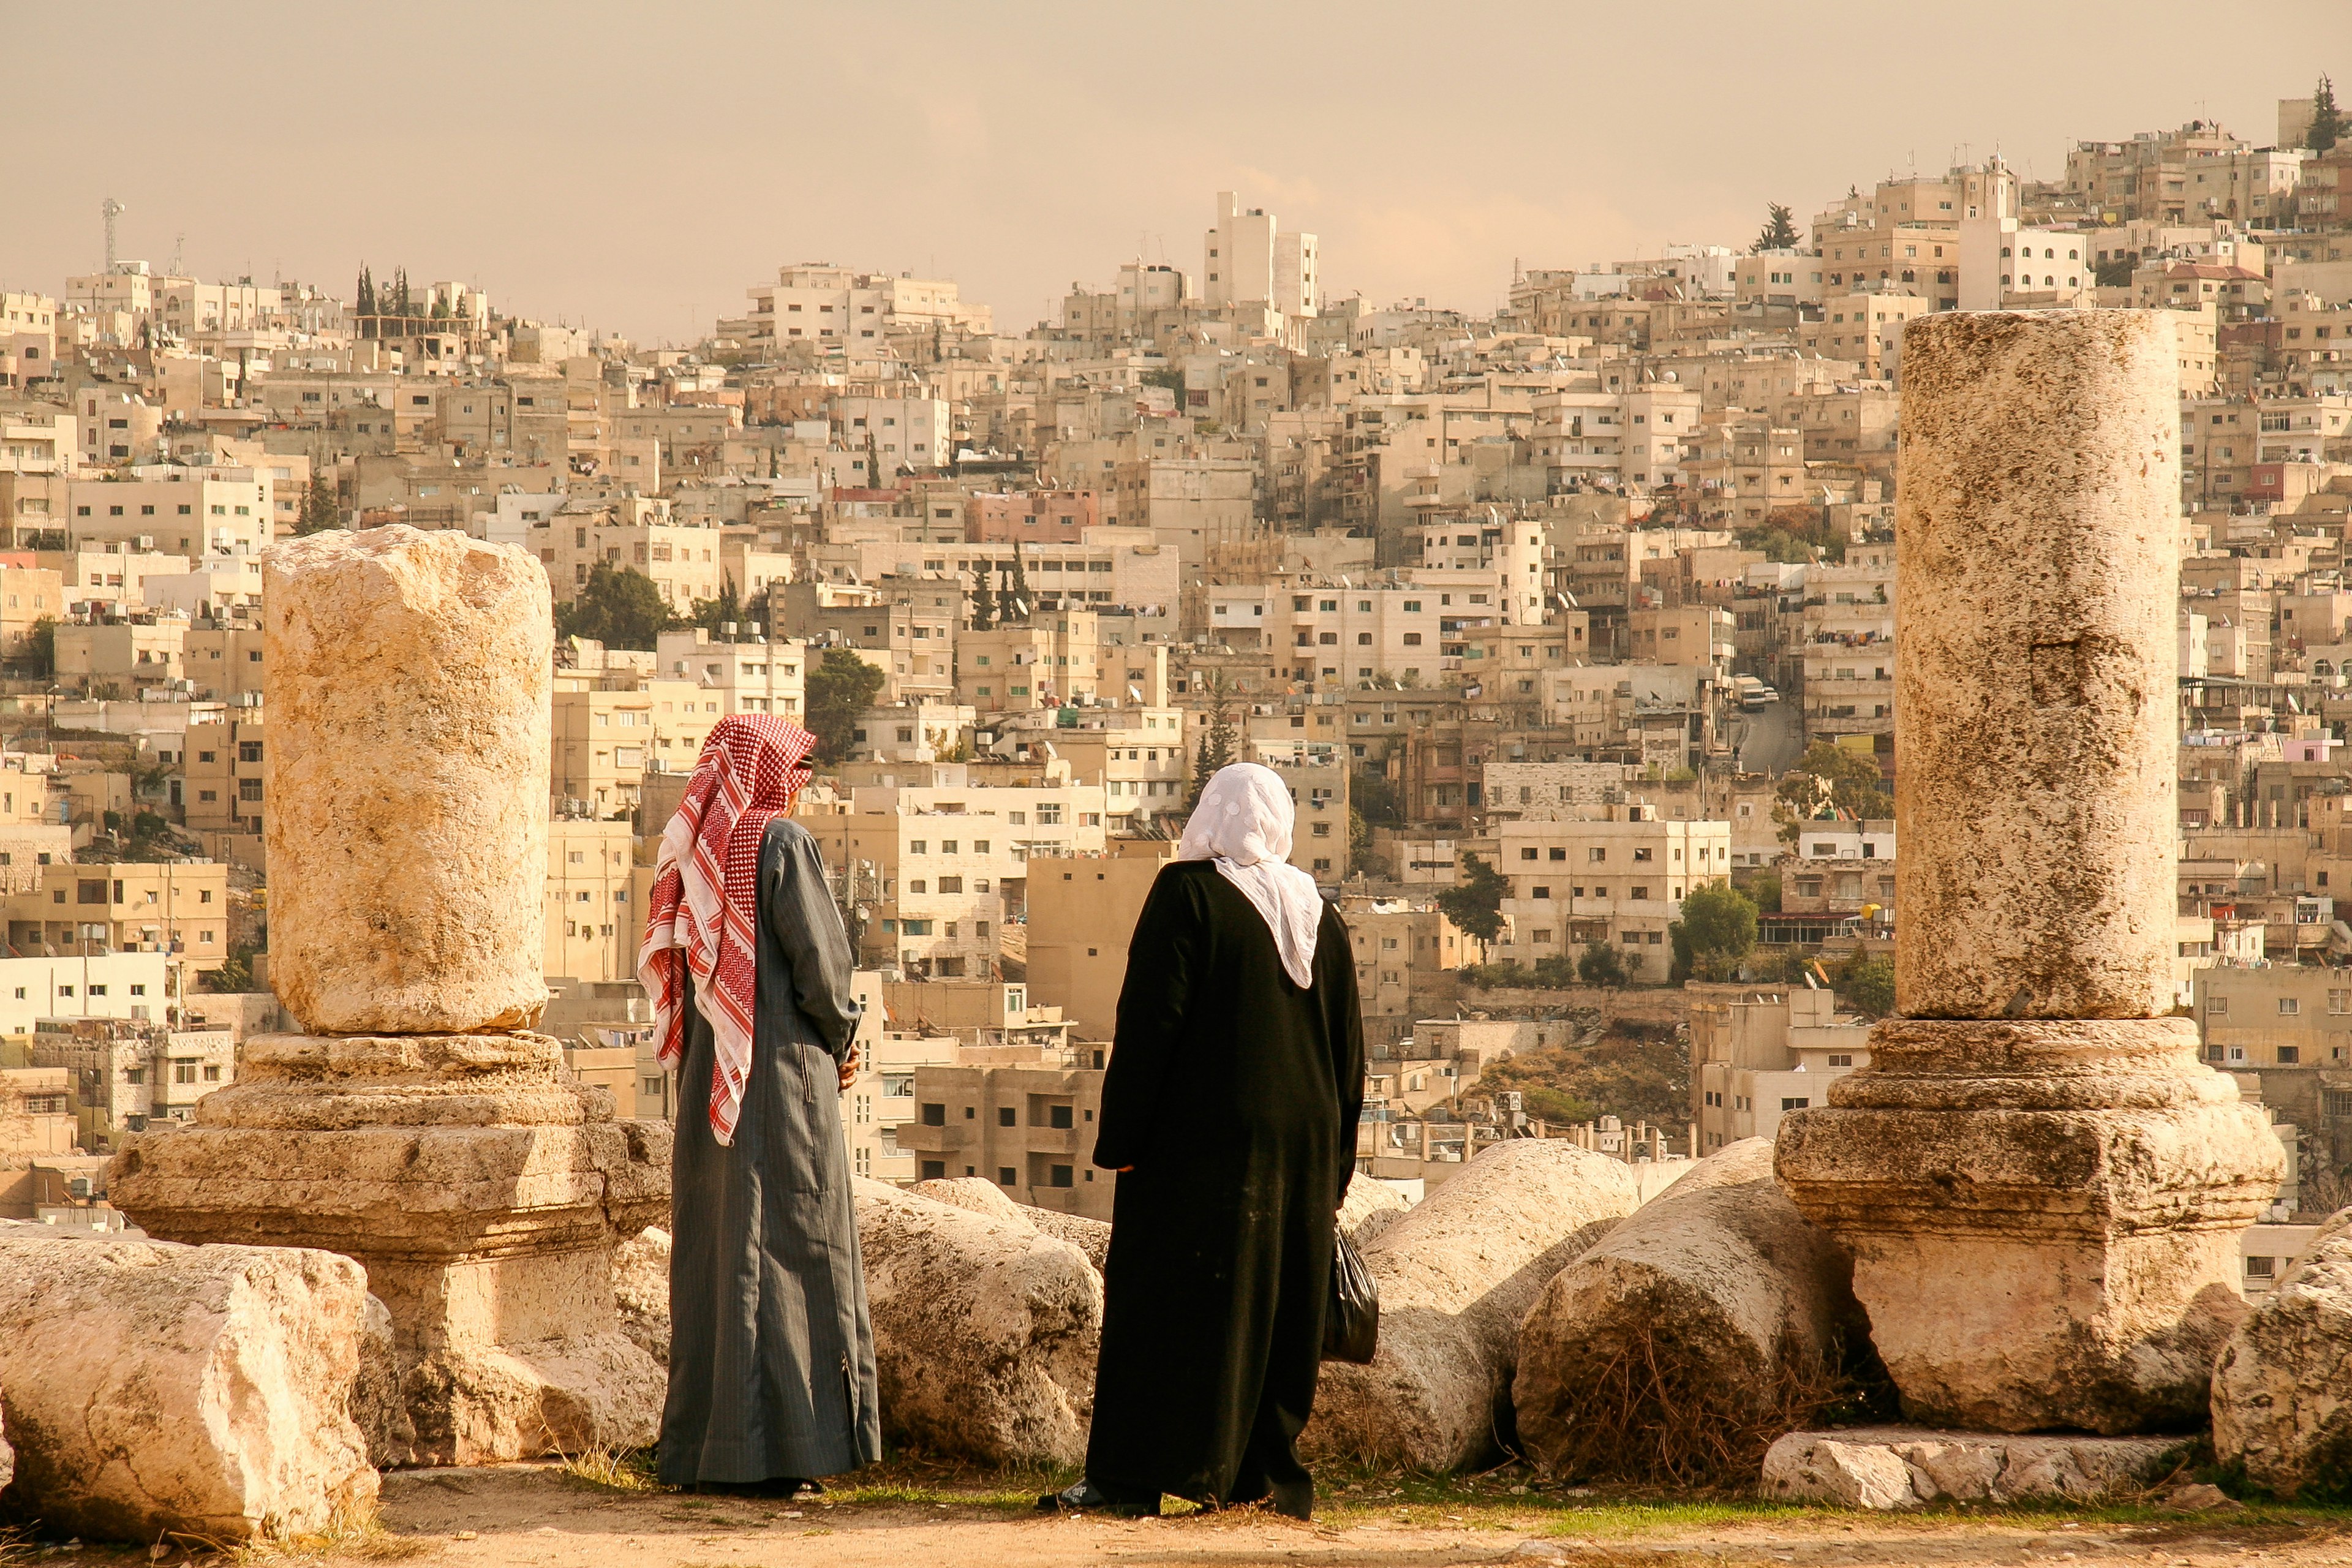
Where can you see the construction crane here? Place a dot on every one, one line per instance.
(111, 209)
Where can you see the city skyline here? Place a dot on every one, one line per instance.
(621, 183)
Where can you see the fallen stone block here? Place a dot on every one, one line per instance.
(2283, 1385)
(1456, 1274)
(985, 1331)
(641, 1291)
(1691, 1335)
(980, 1195)
(1370, 1208)
(1909, 1467)
(152, 1389)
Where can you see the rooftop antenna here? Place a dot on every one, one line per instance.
(109, 208)
(179, 245)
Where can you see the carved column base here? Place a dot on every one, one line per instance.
(481, 1187)
(2043, 1215)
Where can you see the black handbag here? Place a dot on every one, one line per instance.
(1351, 1325)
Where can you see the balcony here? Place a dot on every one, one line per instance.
(1048, 1140)
(915, 1137)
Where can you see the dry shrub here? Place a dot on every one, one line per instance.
(1656, 1411)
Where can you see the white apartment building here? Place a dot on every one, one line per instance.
(1619, 879)
(592, 927)
(753, 675)
(901, 432)
(1248, 259)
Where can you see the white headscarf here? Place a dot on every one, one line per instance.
(1243, 822)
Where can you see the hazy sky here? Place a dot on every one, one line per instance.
(636, 166)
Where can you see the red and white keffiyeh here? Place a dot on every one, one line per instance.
(705, 913)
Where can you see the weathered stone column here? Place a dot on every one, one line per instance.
(405, 811)
(417, 1127)
(2040, 1182)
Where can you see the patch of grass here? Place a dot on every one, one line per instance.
(613, 1470)
(357, 1534)
(910, 1480)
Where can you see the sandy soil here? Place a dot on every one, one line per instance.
(539, 1517)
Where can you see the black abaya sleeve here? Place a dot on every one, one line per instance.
(801, 915)
(1344, 1023)
(1163, 956)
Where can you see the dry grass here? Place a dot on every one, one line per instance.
(356, 1535)
(1658, 1414)
(613, 1470)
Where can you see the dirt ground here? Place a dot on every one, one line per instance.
(543, 1516)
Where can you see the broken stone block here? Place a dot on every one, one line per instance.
(199, 1390)
(1091, 1236)
(1713, 1311)
(1456, 1274)
(1910, 1466)
(410, 674)
(482, 1189)
(641, 1290)
(985, 1331)
(2283, 1387)
(1370, 1208)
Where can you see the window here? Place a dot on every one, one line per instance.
(2289, 1055)
(935, 1116)
(1004, 1115)
(1799, 1103)
(1841, 1058)
(2288, 1006)
(1006, 1176)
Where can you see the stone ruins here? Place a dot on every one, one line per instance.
(2020, 1216)
(2041, 1185)
(417, 1126)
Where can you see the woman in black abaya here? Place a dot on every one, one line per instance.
(1229, 1109)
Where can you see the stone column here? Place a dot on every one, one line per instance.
(416, 1126)
(2041, 1183)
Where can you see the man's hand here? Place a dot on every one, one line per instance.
(849, 1065)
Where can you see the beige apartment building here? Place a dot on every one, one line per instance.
(931, 872)
(607, 737)
(221, 786)
(1619, 879)
(1081, 913)
(1029, 1126)
(193, 512)
(179, 907)
(123, 658)
(751, 676)
(593, 927)
(682, 558)
(1757, 1056)
(1407, 956)
(1052, 660)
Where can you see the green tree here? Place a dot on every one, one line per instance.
(1829, 778)
(1378, 795)
(1866, 985)
(1765, 893)
(1475, 903)
(1601, 966)
(38, 656)
(234, 974)
(838, 690)
(319, 509)
(725, 609)
(1716, 935)
(2326, 120)
(1216, 748)
(1780, 233)
(618, 606)
(1016, 600)
(983, 602)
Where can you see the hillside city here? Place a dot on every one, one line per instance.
(1569, 628)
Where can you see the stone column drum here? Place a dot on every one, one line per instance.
(417, 1127)
(2040, 1182)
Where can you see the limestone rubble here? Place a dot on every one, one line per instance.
(1091, 1236)
(985, 1331)
(1716, 1301)
(1899, 1468)
(202, 1392)
(1455, 1276)
(2283, 1387)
